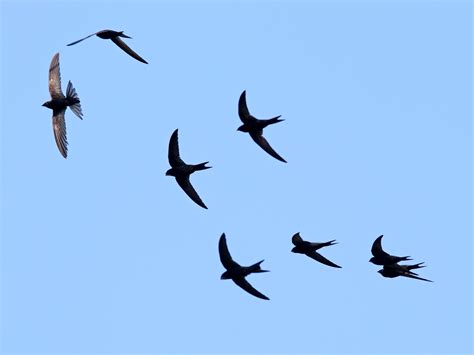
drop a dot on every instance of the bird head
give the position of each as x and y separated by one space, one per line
293 250
47 104
372 260
242 129
225 276
169 172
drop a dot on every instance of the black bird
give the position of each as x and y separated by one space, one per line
115 37
309 249
181 171
237 273
254 127
59 103
380 257
395 270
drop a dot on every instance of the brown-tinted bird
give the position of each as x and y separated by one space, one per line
59 103
395 270
254 127
237 273
115 37
181 171
380 257
309 249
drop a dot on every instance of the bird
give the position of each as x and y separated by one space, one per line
380 257
181 171
309 249
237 273
395 270
115 37
59 103
254 127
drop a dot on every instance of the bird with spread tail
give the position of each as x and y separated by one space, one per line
380 257
395 270
181 171
254 127
114 36
59 103
309 249
237 273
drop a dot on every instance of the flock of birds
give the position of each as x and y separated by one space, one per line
182 171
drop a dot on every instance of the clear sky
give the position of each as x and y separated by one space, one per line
103 253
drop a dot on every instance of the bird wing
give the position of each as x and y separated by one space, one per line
263 143
185 184
244 113
80 40
245 285
59 129
412 275
55 79
296 239
377 250
127 49
173 150
224 254
318 257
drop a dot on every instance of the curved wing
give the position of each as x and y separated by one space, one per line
263 143
244 113
127 49
296 239
318 257
59 129
245 285
173 150
54 82
224 254
80 40
185 184
377 250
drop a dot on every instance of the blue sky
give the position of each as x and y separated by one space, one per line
102 253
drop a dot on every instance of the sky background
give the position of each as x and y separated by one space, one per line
102 253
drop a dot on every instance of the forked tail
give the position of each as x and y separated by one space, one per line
74 101
256 267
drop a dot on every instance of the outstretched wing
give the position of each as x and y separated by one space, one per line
80 40
173 150
412 275
59 129
296 239
55 79
127 49
245 285
244 113
377 250
318 257
224 254
263 143
185 184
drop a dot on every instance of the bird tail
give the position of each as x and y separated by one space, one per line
73 98
124 35
274 120
202 166
256 267
416 266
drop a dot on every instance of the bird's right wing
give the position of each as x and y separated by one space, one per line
173 150
59 129
296 239
245 285
377 250
80 40
185 184
127 49
263 143
244 113
224 254
54 82
412 275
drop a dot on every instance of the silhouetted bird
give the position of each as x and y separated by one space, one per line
380 257
309 249
115 37
395 270
59 103
181 171
237 273
254 127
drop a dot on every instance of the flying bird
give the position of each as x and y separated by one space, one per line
59 103
395 270
237 273
181 171
380 257
115 37
254 127
309 249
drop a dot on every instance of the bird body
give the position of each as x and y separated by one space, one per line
380 257
396 270
309 249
